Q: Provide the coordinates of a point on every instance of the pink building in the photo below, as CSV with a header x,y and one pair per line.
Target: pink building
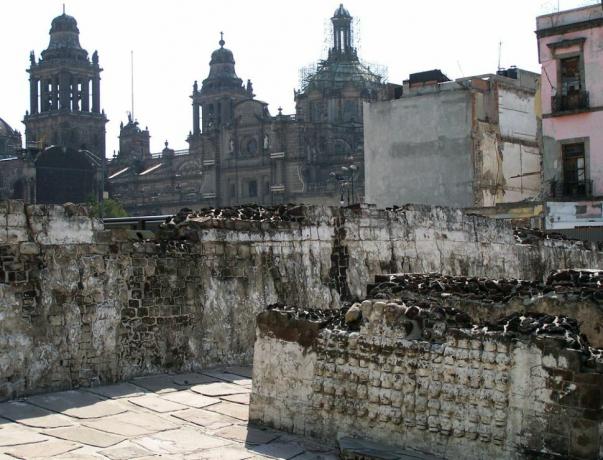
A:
x,y
570,48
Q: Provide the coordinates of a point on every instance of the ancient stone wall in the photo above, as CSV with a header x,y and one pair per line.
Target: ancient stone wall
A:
x,y
465,392
80,304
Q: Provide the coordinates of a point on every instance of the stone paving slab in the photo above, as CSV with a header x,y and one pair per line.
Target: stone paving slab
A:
x,y
204,418
181,440
27,414
240,370
162,383
85,435
190,398
131,424
78,404
278,449
16,435
228,377
239,411
220,389
192,379
242,398
44,449
117,391
157,404
126,451
222,453
246,434
125,421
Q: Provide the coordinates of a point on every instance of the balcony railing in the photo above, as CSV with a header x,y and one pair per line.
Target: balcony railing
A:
x,y
570,102
567,189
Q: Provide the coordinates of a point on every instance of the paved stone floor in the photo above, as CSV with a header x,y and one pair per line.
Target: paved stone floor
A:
x,y
170,416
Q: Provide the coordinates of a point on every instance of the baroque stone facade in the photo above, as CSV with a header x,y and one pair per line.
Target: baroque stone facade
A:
x,y
241,153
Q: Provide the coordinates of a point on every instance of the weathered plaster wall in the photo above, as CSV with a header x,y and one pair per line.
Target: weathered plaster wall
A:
x,y
443,390
417,150
80,304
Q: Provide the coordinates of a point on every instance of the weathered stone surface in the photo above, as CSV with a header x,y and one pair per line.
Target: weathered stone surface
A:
x,y
157,404
86,436
186,380
163,383
180,440
127,452
222,453
118,390
278,449
130,424
458,390
247,434
39,450
190,399
238,411
78,404
30,415
14,436
220,389
106,308
205,418
239,399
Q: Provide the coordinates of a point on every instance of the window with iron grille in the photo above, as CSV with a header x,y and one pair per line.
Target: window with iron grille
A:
x,y
571,82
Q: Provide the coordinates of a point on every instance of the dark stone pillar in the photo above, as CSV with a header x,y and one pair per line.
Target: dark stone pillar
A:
x,y
96,94
86,94
195,118
44,106
64,85
54,94
33,95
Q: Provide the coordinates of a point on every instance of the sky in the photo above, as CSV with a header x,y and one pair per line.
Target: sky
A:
x,y
271,40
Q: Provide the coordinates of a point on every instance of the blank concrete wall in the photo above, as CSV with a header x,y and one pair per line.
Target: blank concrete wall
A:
x,y
418,150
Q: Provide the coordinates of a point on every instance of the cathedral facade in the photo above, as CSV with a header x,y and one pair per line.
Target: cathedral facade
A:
x,y
241,153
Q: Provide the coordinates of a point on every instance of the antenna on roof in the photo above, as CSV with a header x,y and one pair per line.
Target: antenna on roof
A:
x,y
63,8
499,54
132,80
458,63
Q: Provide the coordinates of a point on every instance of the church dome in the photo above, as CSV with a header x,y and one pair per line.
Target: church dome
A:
x,y
222,55
64,39
64,23
222,75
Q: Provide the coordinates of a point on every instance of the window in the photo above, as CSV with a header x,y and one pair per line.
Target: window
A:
x,y
315,111
574,170
252,188
570,76
252,147
570,94
232,190
350,112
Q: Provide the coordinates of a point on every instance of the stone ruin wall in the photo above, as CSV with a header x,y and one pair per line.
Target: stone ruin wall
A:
x,y
462,394
81,305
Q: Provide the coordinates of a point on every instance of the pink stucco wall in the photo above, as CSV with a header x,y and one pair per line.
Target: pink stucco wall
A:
x,y
580,125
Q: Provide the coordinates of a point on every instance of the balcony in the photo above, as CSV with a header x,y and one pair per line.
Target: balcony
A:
x,y
571,190
574,102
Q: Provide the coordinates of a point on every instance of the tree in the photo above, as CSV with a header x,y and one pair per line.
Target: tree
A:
x,y
111,208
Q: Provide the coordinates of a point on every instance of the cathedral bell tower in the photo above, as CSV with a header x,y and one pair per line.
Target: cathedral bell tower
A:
x,y
65,93
213,102
342,36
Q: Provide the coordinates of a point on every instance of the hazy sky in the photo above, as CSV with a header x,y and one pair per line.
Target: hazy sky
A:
x,y
271,40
